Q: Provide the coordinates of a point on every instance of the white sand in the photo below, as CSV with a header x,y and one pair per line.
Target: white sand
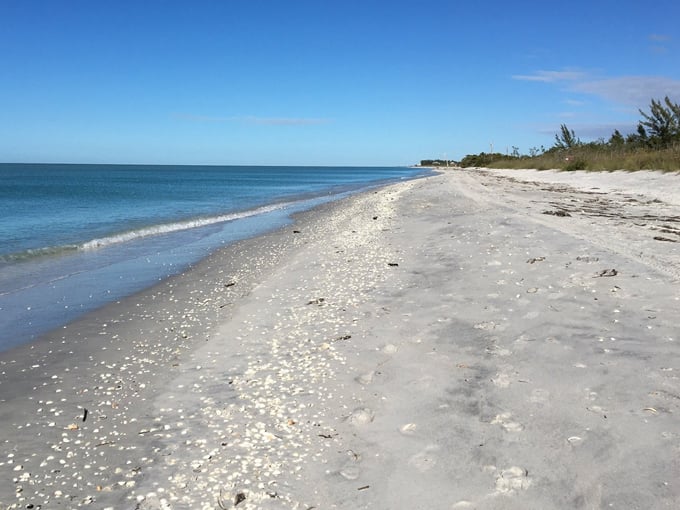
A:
x,y
440,343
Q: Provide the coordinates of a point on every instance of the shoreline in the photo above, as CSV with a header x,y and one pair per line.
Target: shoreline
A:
x,y
108,340
45,287
443,341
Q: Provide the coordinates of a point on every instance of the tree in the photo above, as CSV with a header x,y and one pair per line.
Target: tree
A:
x,y
662,122
638,139
482,159
566,139
616,139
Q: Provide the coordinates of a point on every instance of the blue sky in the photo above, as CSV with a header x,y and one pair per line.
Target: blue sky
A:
x,y
323,82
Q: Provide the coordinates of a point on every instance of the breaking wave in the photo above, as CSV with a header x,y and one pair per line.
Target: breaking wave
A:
x,y
132,235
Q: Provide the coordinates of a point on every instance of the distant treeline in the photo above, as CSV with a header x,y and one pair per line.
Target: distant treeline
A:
x,y
655,145
437,162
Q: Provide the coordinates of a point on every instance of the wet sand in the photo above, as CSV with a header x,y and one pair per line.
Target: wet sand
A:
x,y
476,339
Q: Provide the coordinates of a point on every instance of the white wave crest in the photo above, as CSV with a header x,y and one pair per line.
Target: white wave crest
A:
x,y
167,228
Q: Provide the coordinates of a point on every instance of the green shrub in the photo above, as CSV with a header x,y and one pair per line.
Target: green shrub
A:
x,y
577,164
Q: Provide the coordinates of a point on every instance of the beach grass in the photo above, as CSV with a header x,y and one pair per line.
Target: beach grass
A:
x,y
605,159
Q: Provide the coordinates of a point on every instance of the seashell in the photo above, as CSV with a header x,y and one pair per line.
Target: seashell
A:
x,y
409,428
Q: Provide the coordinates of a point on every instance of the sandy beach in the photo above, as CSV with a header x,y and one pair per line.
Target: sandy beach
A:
x,y
478,339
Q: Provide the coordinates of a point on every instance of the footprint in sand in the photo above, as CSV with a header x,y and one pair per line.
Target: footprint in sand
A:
x,y
425,460
350,471
390,349
152,502
361,416
424,382
501,380
539,396
505,421
366,378
512,479
498,351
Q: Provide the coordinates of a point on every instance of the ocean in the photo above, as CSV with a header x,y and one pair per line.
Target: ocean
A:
x,y
76,237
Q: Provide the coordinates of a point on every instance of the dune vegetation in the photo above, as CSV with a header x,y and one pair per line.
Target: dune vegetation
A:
x,y
655,145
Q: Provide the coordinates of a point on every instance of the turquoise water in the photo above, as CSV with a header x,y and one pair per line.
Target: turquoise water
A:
x,y
74,237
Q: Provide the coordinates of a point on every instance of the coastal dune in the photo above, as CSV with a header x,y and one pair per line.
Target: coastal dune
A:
x,y
477,339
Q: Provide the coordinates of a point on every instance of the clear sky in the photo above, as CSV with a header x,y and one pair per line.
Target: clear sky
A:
x,y
334,82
